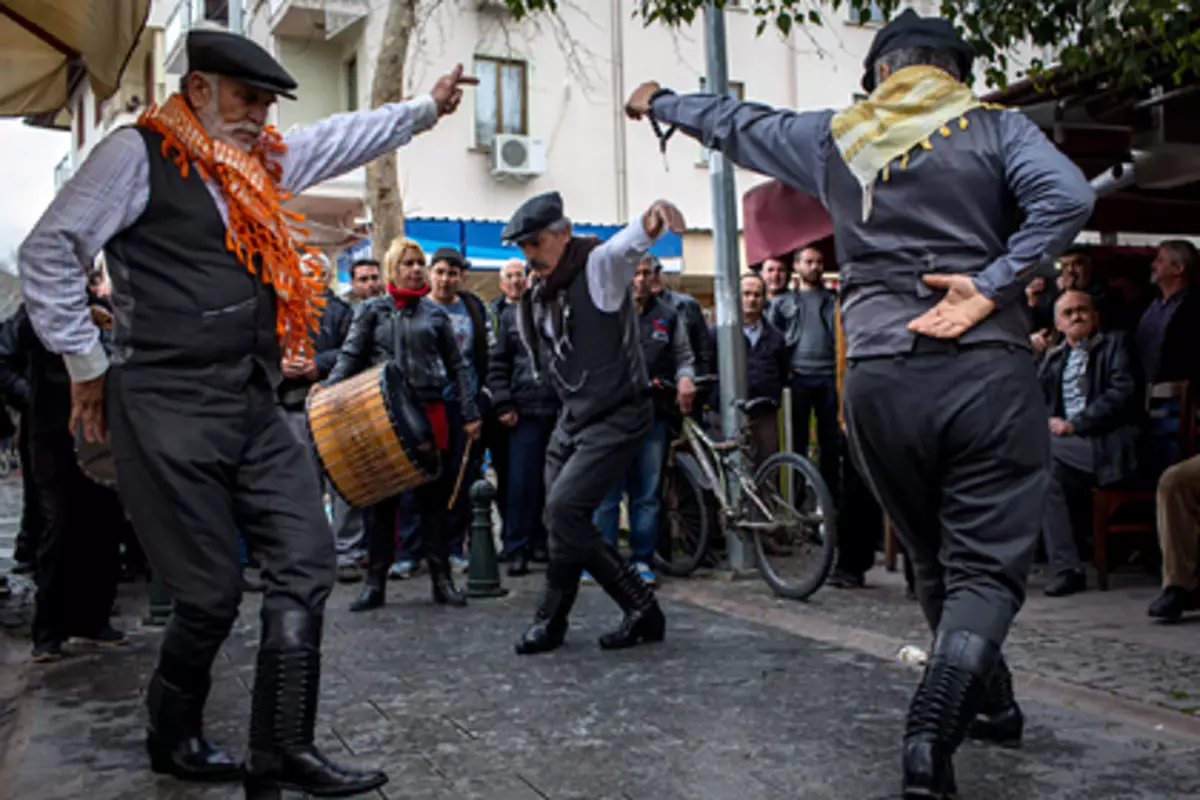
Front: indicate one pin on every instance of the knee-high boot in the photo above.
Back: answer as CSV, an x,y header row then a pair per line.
x,y
374,591
175,736
644,620
999,720
286,684
550,621
950,694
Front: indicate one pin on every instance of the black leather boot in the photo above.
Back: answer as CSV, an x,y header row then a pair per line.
x,y
286,684
550,622
644,620
374,591
1000,720
519,563
445,593
950,694
175,737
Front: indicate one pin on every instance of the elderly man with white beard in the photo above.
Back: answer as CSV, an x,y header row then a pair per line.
x,y
210,297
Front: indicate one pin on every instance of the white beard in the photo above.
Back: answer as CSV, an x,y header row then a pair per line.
x,y
222,131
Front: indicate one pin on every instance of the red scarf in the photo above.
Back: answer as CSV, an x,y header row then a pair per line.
x,y
405,297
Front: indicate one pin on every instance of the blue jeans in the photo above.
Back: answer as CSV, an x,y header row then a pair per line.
x,y
641,482
527,444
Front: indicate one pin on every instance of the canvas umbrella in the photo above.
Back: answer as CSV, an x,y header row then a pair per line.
x,y
46,46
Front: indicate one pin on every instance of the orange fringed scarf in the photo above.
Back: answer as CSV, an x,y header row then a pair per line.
x,y
261,233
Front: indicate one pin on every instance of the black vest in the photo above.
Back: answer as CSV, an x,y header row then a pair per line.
x,y
181,299
594,357
949,211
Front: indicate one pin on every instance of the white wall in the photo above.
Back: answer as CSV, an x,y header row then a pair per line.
x,y
317,67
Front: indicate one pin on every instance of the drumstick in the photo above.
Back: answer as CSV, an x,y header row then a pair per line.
x,y
462,470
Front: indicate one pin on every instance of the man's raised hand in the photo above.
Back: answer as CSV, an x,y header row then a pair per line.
x,y
639,102
447,92
662,215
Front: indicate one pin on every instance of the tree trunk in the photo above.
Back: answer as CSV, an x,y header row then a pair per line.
x,y
383,180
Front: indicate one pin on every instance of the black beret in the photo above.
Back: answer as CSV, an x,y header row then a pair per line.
x,y
451,256
534,216
232,56
912,30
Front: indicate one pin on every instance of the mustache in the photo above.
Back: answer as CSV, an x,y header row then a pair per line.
x,y
538,264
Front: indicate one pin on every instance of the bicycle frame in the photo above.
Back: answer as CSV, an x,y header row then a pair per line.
x,y
715,461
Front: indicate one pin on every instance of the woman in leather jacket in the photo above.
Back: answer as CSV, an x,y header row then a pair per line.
x,y
409,329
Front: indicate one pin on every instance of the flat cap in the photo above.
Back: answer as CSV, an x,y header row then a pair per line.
x,y
912,30
451,256
534,216
230,55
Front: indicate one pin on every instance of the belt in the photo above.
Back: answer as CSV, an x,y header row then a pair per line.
x,y
928,346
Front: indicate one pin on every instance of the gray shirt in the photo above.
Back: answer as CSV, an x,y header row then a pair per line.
x,y
795,147
110,191
815,352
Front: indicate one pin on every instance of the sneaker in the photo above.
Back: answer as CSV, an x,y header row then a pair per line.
x,y
47,653
645,573
108,636
459,564
251,580
402,570
843,579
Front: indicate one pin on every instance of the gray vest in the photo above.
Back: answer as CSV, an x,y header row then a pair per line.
x,y
950,211
594,358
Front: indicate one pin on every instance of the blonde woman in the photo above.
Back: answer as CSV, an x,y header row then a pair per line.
x,y
407,328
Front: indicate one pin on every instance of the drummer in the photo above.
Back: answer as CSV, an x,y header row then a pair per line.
x,y
407,328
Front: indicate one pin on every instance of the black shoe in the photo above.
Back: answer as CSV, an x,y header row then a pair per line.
x,y
349,573
950,694
518,564
1067,583
1000,720
175,740
374,591
550,621
844,579
644,620
445,593
47,653
284,712
108,636
1173,602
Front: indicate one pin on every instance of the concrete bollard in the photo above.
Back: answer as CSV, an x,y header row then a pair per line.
x,y
483,576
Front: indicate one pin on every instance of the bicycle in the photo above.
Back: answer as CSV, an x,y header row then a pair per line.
x,y
752,503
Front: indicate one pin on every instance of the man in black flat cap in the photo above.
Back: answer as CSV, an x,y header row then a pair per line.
x,y
925,184
210,299
578,323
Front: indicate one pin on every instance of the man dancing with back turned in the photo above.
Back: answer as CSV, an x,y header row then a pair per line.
x,y
208,284
924,183
579,325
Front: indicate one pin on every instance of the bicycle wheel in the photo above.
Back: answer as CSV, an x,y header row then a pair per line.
x,y
684,528
796,557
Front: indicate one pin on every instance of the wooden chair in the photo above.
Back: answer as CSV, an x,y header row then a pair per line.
x,y
1109,501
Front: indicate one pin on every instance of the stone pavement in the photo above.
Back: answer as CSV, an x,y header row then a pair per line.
x,y
725,708
1098,641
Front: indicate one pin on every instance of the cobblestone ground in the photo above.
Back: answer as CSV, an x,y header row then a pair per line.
x,y
1097,640
724,709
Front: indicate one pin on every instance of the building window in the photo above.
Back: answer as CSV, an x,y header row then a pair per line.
x,y
501,101
350,72
872,15
737,90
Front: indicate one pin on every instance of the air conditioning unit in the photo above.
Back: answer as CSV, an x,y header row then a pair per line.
x,y
518,156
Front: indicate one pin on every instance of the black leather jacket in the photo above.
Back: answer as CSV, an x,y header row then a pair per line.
x,y
428,355
510,378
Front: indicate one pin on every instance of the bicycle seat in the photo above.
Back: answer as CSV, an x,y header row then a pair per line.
x,y
756,406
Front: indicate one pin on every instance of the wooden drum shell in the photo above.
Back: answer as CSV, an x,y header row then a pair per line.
x,y
370,450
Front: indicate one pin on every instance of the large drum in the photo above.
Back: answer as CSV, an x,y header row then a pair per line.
x,y
372,436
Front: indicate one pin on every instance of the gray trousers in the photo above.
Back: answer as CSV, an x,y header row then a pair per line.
x,y
955,446
348,529
202,455
1071,462
582,468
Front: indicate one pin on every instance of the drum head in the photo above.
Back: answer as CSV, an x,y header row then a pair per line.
x,y
95,460
409,418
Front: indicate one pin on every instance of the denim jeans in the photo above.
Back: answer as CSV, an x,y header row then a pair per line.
x,y
527,443
641,483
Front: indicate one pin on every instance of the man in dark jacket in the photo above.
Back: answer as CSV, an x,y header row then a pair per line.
x,y
693,319
1093,392
14,392
526,405
1166,335
299,375
496,435
579,315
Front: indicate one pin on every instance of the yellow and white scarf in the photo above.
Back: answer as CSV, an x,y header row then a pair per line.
x,y
903,112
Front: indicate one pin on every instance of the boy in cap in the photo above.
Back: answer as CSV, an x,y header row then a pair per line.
x,y
210,299
936,333
579,325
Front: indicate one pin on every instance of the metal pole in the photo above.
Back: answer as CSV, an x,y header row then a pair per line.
x,y
731,343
